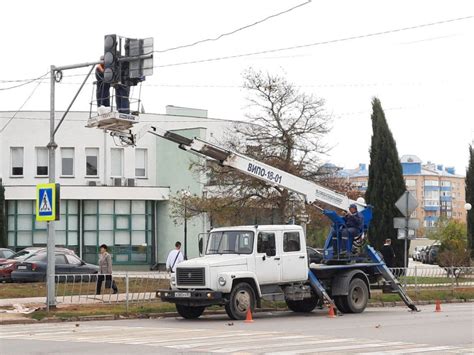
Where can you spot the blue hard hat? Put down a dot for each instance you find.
(353, 205)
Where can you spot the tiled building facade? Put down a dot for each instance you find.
(439, 191)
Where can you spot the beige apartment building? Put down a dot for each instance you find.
(439, 191)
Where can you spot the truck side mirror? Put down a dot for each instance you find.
(201, 243)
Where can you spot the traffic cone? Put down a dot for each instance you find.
(331, 311)
(438, 306)
(248, 318)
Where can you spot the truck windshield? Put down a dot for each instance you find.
(230, 242)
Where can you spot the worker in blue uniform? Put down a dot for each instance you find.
(354, 224)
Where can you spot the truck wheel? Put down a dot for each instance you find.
(304, 306)
(358, 296)
(241, 299)
(189, 312)
(341, 304)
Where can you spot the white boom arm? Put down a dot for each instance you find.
(273, 176)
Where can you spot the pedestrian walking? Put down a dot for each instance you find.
(175, 256)
(388, 253)
(105, 271)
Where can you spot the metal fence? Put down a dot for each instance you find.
(141, 287)
(132, 287)
(420, 278)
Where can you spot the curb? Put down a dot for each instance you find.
(175, 314)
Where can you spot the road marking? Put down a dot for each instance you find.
(290, 344)
(222, 341)
(338, 348)
(418, 350)
(233, 336)
(248, 339)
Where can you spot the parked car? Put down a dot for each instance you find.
(34, 268)
(314, 255)
(416, 253)
(6, 253)
(8, 265)
(432, 255)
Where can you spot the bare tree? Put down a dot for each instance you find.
(285, 129)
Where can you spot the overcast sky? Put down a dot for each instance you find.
(424, 77)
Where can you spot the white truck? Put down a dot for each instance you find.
(245, 264)
(242, 265)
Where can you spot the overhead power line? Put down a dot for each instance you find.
(345, 39)
(234, 31)
(374, 34)
(24, 103)
(23, 82)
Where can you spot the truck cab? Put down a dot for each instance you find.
(240, 266)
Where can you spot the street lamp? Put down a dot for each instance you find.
(185, 194)
(467, 206)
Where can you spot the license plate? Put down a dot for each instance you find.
(182, 294)
(22, 267)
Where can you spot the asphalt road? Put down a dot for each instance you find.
(376, 331)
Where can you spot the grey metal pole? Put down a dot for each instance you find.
(73, 100)
(407, 217)
(126, 291)
(50, 271)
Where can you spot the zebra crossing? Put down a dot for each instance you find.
(229, 340)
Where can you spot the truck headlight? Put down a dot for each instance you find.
(222, 281)
(173, 280)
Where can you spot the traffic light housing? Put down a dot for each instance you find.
(111, 62)
(138, 68)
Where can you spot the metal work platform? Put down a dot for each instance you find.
(113, 121)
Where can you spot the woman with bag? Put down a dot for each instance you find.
(105, 271)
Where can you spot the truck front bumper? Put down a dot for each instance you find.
(192, 298)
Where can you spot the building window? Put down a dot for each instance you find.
(17, 161)
(92, 161)
(41, 161)
(116, 158)
(445, 183)
(125, 226)
(410, 182)
(67, 161)
(431, 183)
(24, 231)
(140, 162)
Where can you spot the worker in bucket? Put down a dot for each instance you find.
(354, 223)
(103, 89)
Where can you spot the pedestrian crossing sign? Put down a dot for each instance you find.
(47, 202)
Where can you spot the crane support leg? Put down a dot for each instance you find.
(387, 274)
(319, 289)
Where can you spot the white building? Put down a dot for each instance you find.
(109, 194)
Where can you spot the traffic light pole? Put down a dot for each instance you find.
(50, 269)
(52, 146)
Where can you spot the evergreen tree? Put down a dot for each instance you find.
(386, 183)
(470, 199)
(3, 232)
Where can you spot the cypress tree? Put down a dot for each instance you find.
(470, 199)
(386, 183)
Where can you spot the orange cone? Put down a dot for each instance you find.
(438, 306)
(248, 318)
(331, 311)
